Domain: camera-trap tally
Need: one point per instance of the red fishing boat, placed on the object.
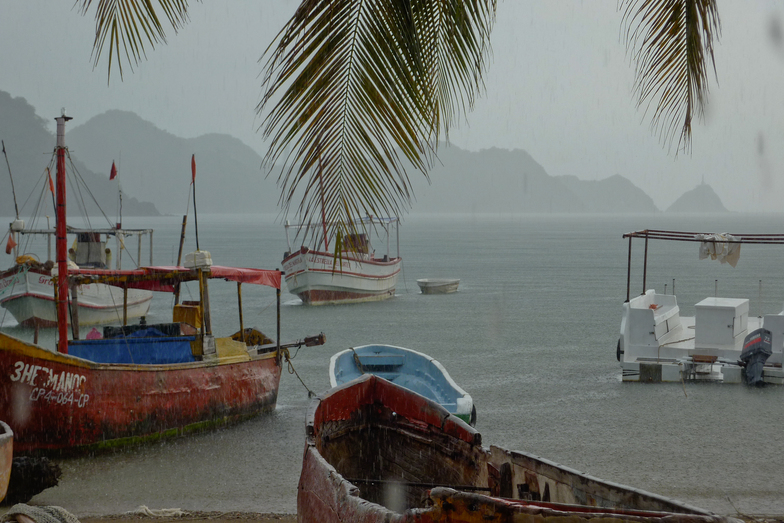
(378, 452)
(137, 382)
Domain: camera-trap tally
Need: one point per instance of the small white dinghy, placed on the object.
(438, 285)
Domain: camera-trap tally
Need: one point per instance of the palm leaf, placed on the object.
(672, 41)
(355, 87)
(128, 24)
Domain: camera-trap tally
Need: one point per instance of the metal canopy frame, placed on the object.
(685, 236)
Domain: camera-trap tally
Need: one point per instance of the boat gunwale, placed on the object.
(457, 388)
(31, 350)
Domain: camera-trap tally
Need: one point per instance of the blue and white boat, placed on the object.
(407, 368)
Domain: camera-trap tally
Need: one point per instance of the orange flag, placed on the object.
(193, 168)
(113, 174)
(11, 243)
(51, 183)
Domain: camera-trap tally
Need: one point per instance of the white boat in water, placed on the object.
(720, 343)
(317, 277)
(438, 285)
(27, 288)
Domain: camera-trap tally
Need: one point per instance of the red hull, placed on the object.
(376, 452)
(317, 296)
(55, 402)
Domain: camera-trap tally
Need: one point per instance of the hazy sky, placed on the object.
(559, 85)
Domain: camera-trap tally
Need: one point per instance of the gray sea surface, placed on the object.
(531, 335)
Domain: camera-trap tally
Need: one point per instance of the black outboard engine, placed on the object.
(757, 347)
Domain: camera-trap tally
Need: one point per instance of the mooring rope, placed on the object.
(357, 362)
(287, 355)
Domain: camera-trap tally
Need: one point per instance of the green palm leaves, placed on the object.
(128, 24)
(357, 88)
(671, 41)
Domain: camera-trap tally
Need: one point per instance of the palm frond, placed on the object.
(672, 41)
(359, 86)
(128, 24)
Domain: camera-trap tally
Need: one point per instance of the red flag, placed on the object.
(113, 174)
(11, 243)
(193, 168)
(51, 183)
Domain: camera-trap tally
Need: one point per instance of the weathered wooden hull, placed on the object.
(6, 457)
(56, 402)
(316, 280)
(377, 452)
(29, 297)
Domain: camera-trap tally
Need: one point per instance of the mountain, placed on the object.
(615, 194)
(701, 199)
(503, 181)
(155, 165)
(29, 146)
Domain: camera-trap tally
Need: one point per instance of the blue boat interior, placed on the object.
(141, 346)
(408, 369)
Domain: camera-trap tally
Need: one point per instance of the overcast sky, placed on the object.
(559, 85)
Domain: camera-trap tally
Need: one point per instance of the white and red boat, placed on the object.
(318, 277)
(27, 288)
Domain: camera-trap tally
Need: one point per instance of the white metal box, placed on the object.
(720, 321)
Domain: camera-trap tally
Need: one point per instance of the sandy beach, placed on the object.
(194, 517)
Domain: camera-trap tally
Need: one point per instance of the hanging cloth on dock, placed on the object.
(722, 247)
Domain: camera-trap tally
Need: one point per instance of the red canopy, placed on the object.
(164, 278)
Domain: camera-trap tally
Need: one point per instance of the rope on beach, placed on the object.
(285, 353)
(51, 514)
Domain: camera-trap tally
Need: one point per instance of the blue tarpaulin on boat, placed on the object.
(140, 350)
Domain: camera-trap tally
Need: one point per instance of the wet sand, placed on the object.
(195, 517)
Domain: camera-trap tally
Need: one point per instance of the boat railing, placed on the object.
(119, 234)
(313, 230)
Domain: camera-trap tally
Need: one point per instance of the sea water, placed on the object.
(531, 334)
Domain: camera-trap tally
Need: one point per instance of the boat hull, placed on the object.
(6, 457)
(657, 344)
(408, 368)
(58, 403)
(29, 296)
(378, 452)
(438, 285)
(315, 278)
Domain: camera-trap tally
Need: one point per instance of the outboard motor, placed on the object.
(757, 347)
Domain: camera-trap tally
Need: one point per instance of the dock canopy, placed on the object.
(164, 278)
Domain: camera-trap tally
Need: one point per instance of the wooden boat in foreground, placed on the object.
(376, 452)
(408, 368)
(317, 278)
(438, 285)
(137, 382)
(6, 457)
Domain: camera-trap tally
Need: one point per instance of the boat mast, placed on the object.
(323, 211)
(61, 240)
(13, 191)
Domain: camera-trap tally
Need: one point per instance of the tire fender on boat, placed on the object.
(618, 350)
